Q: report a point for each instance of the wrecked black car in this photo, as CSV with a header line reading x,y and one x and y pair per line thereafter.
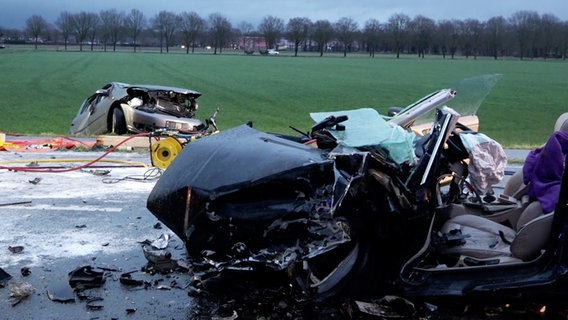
x,y
363,206
120,108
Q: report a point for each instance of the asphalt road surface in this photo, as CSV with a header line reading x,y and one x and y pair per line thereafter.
x,y
62,221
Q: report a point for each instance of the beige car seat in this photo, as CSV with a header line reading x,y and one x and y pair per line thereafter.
x,y
487,239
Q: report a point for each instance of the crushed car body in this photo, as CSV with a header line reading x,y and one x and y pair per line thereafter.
x,y
121,108
343,214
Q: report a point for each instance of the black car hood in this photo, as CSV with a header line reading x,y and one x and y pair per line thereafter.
x,y
241,161
210,163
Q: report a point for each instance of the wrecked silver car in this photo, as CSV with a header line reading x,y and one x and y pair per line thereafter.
x,y
360,206
120,108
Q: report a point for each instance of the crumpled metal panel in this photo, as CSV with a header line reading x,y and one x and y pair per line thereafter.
x,y
237,156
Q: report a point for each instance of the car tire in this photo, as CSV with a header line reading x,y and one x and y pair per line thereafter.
x,y
118,125
354,272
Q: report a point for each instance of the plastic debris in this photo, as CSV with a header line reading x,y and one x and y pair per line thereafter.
x,y
19,291
158,260
25,271
92,305
4,277
16,249
35,181
163,287
388,307
85,277
60,292
235,315
126,279
159,244
156,256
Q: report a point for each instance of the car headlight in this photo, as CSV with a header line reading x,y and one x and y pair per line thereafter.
x,y
173,125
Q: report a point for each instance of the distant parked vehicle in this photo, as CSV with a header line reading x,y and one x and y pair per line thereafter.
x,y
121,108
269,52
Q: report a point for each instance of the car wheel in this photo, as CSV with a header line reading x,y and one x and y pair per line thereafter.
x,y
118,121
349,269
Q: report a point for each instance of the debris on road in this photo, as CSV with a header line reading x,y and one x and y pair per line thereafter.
x,y
35,181
388,307
14,203
159,244
126,279
4,277
60,292
19,291
159,261
91,305
25,271
16,249
86,277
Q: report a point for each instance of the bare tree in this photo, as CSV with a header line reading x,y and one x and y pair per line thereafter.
x,y
448,36
95,21
272,28
549,29
83,24
135,22
323,32
112,27
495,30
524,25
65,24
371,33
398,26
165,23
564,39
471,32
220,28
345,30
298,30
191,27
422,29
35,27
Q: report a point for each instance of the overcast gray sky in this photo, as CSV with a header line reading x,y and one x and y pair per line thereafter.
x,y
13,13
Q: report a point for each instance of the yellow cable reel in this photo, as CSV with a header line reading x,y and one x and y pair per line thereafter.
x,y
164,152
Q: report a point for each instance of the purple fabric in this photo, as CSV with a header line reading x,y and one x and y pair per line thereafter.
x,y
543,168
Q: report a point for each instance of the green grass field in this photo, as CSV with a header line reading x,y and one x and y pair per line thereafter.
x,y
41,90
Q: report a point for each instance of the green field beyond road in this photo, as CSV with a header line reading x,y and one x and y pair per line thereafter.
x,y
41,90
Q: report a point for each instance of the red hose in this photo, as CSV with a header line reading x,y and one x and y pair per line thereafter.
x,y
42,169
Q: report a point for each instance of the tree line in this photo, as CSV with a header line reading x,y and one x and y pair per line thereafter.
x,y
525,34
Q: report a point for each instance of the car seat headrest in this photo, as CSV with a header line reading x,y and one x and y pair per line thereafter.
x,y
562,123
